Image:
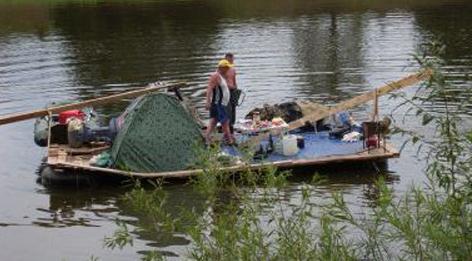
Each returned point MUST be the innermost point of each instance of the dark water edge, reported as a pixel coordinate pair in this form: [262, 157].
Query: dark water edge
[325, 51]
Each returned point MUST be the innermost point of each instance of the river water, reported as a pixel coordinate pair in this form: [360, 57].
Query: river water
[74, 50]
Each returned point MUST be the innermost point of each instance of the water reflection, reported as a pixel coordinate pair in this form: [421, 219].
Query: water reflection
[135, 44]
[457, 53]
[329, 51]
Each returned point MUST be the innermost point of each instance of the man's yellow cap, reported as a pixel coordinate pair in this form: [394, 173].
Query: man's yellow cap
[224, 63]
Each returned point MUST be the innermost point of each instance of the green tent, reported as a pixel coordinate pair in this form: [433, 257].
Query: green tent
[159, 134]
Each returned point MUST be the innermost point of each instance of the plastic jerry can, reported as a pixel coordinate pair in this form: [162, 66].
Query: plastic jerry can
[289, 145]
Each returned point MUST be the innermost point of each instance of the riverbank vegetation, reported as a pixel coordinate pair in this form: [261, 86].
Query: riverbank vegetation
[248, 218]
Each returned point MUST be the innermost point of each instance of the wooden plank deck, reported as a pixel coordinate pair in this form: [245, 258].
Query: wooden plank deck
[61, 158]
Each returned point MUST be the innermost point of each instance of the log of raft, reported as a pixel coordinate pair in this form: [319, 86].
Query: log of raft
[10, 118]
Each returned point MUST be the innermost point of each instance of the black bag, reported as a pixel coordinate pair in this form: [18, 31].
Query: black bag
[235, 95]
[339, 132]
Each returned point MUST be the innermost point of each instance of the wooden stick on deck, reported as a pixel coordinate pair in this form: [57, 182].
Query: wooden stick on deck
[92, 102]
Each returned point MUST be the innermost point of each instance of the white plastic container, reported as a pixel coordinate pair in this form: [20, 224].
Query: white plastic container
[289, 145]
[75, 133]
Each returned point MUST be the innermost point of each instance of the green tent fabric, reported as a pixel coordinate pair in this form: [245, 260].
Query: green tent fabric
[158, 134]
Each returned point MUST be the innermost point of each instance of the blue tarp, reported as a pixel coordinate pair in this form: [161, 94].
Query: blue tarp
[316, 145]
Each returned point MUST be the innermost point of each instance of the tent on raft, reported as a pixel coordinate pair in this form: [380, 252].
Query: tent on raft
[159, 133]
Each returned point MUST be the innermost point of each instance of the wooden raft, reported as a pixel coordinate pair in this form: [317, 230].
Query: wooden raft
[60, 158]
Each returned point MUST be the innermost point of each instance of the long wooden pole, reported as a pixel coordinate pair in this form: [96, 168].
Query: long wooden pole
[363, 98]
[92, 102]
[350, 103]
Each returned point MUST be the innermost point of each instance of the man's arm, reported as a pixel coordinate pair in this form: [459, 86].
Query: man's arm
[234, 80]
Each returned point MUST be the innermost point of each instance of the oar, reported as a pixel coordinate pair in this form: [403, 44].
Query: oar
[92, 102]
[353, 102]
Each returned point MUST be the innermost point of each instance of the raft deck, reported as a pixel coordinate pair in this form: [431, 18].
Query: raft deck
[319, 150]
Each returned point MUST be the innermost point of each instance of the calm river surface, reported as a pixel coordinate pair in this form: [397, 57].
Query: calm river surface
[71, 50]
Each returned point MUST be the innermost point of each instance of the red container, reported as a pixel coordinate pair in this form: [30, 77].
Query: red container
[65, 115]
[372, 142]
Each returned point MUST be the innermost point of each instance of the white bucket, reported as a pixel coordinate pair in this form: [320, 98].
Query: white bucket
[289, 145]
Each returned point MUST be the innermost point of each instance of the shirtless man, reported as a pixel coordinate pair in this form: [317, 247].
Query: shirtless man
[231, 80]
[218, 102]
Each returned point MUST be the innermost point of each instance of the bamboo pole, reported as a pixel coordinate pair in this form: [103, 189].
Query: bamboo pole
[363, 98]
[350, 103]
[21, 116]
